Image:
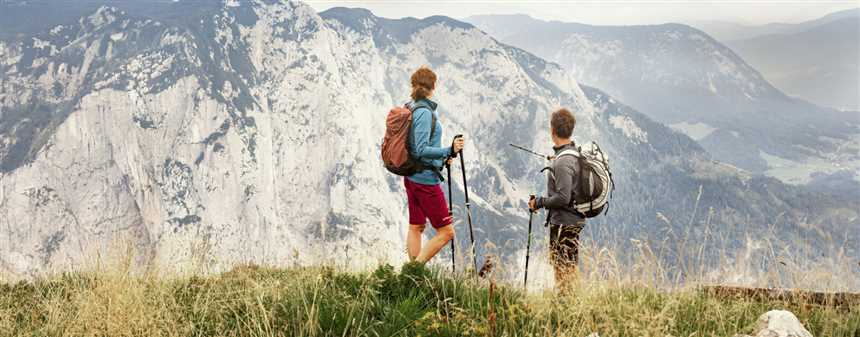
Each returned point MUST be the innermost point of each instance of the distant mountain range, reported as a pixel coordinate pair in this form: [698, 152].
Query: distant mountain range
[249, 132]
[682, 77]
[729, 31]
[815, 60]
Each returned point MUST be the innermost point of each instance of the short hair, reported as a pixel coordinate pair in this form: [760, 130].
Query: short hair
[562, 123]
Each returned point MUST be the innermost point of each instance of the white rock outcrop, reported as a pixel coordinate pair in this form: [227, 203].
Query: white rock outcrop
[778, 323]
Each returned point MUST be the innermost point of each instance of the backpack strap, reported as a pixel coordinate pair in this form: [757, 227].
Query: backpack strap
[580, 160]
[569, 152]
[432, 124]
[413, 107]
[576, 153]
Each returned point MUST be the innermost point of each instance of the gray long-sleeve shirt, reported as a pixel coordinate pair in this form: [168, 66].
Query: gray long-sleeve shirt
[561, 186]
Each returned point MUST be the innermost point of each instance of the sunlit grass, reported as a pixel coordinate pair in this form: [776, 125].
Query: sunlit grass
[415, 301]
[626, 287]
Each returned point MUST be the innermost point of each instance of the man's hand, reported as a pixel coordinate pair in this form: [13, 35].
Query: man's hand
[449, 161]
[533, 204]
[458, 144]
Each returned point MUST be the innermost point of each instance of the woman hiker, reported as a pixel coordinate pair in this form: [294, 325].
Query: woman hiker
[423, 191]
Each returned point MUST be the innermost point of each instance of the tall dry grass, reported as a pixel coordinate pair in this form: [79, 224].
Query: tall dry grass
[626, 287]
[321, 301]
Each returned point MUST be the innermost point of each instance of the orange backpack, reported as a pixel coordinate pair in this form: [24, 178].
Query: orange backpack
[395, 145]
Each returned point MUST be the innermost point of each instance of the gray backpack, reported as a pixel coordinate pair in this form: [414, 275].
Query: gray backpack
[595, 180]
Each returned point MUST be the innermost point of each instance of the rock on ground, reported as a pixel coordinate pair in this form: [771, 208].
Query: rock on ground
[778, 323]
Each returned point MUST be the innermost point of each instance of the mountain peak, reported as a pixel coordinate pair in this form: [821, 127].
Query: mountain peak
[104, 15]
[358, 16]
[449, 21]
[359, 19]
[847, 13]
[363, 20]
[344, 12]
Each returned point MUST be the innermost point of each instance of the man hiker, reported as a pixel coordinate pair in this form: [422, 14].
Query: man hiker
[565, 223]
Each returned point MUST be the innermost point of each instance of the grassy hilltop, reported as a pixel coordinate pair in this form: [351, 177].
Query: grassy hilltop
[415, 301]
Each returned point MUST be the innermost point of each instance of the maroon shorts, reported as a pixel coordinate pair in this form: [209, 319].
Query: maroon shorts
[426, 202]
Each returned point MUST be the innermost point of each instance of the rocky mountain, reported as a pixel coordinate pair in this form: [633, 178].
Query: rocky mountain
[250, 131]
[682, 77]
[819, 64]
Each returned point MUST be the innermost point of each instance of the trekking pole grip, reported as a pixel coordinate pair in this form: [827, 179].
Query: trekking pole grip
[453, 153]
[531, 197]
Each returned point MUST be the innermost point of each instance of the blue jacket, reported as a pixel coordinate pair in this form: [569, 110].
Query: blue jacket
[428, 151]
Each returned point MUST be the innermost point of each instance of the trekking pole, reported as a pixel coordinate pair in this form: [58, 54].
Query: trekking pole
[532, 152]
[450, 215]
[468, 208]
[528, 245]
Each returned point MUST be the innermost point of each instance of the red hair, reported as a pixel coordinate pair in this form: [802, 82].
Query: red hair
[423, 83]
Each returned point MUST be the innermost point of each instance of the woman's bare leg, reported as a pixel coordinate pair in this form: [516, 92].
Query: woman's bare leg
[443, 235]
[413, 240]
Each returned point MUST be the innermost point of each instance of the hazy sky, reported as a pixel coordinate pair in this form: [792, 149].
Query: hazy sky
[614, 12]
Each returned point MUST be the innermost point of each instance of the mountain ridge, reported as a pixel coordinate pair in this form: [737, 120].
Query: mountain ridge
[729, 31]
[680, 76]
[823, 65]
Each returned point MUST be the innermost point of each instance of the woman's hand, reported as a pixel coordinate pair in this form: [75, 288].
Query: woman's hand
[459, 142]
